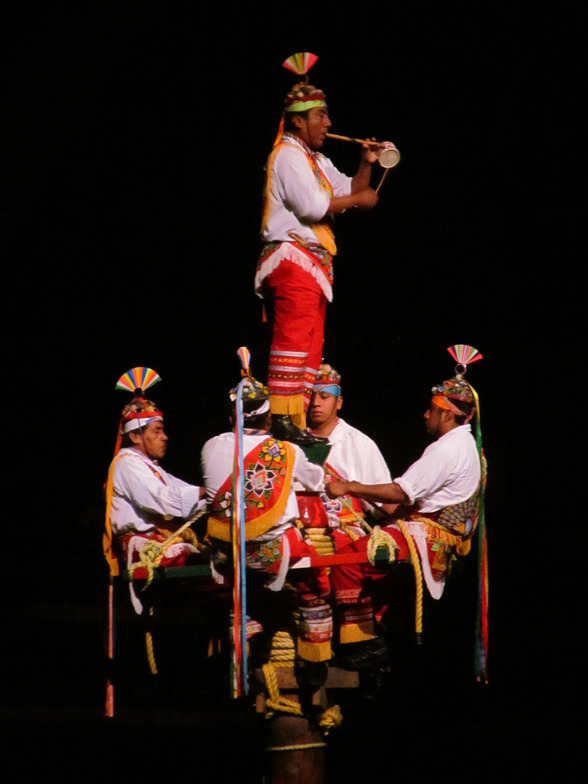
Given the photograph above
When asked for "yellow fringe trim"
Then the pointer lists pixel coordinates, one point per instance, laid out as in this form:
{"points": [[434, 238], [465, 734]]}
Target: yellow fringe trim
{"points": [[287, 405], [357, 632], [314, 651]]}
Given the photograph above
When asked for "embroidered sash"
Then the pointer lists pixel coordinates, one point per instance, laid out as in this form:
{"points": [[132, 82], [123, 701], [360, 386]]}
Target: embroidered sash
{"points": [[267, 478], [449, 531]]}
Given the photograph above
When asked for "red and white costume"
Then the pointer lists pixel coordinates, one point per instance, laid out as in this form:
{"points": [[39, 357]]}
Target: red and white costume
{"points": [[273, 540], [295, 269], [144, 499]]}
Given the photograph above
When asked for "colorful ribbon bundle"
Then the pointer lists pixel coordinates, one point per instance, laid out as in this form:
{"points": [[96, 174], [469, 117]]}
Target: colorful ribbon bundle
{"points": [[240, 683]]}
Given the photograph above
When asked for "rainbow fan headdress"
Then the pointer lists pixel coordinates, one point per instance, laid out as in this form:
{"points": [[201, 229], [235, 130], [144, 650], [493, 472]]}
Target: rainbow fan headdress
{"points": [[140, 411], [138, 380], [464, 356], [300, 63], [302, 96]]}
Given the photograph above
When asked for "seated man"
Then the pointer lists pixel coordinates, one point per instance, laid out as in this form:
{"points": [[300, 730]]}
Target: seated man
{"points": [[149, 512], [273, 539], [351, 455], [437, 498], [145, 503]]}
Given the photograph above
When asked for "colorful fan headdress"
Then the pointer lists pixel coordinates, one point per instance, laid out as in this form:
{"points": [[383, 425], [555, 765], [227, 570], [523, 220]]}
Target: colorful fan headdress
{"points": [[140, 411], [302, 96], [455, 391]]}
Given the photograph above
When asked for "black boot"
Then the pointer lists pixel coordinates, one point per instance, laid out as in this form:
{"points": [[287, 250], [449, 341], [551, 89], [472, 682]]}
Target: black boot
{"points": [[284, 429], [363, 655]]}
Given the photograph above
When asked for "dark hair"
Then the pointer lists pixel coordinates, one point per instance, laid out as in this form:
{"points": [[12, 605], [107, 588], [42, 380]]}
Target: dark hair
{"points": [[464, 406], [125, 439], [258, 422], [289, 118]]}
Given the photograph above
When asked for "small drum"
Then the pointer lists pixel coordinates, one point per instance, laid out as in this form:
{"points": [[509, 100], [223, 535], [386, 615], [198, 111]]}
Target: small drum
{"points": [[312, 511], [389, 156]]}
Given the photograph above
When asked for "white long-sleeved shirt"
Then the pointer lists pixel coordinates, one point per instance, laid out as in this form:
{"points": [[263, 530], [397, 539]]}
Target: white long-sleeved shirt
{"points": [[448, 472], [355, 456], [141, 500], [295, 198], [295, 201]]}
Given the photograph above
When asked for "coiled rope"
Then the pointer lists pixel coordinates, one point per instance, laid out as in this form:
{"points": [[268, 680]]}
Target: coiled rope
{"points": [[283, 654], [321, 539]]}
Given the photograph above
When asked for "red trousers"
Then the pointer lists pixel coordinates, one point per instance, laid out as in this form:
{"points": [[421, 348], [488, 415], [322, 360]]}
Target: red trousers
{"points": [[296, 308], [353, 582]]}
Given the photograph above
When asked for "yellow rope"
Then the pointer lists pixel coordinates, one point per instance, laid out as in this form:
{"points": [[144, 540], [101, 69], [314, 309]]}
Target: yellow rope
{"points": [[283, 650], [331, 717], [152, 552], [150, 653], [275, 701], [149, 646], [297, 747], [322, 541], [418, 575]]}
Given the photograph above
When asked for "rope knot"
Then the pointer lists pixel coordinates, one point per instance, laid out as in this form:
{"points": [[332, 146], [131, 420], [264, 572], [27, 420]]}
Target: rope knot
{"points": [[331, 717], [381, 540]]}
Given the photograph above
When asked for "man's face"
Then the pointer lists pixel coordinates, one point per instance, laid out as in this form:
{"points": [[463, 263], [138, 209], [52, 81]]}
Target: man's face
{"points": [[313, 127], [323, 408], [433, 420], [152, 442]]}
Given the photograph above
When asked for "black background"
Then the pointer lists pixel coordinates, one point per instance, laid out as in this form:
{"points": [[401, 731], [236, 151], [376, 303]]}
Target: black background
{"points": [[135, 136]]}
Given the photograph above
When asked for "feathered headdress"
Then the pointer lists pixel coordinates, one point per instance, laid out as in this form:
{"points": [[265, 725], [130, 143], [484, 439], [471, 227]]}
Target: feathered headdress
{"points": [[253, 395], [302, 96], [140, 411]]}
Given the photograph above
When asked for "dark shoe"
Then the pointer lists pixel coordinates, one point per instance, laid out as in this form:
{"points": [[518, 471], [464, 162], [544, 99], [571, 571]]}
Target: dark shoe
{"points": [[284, 429], [363, 655], [313, 674]]}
